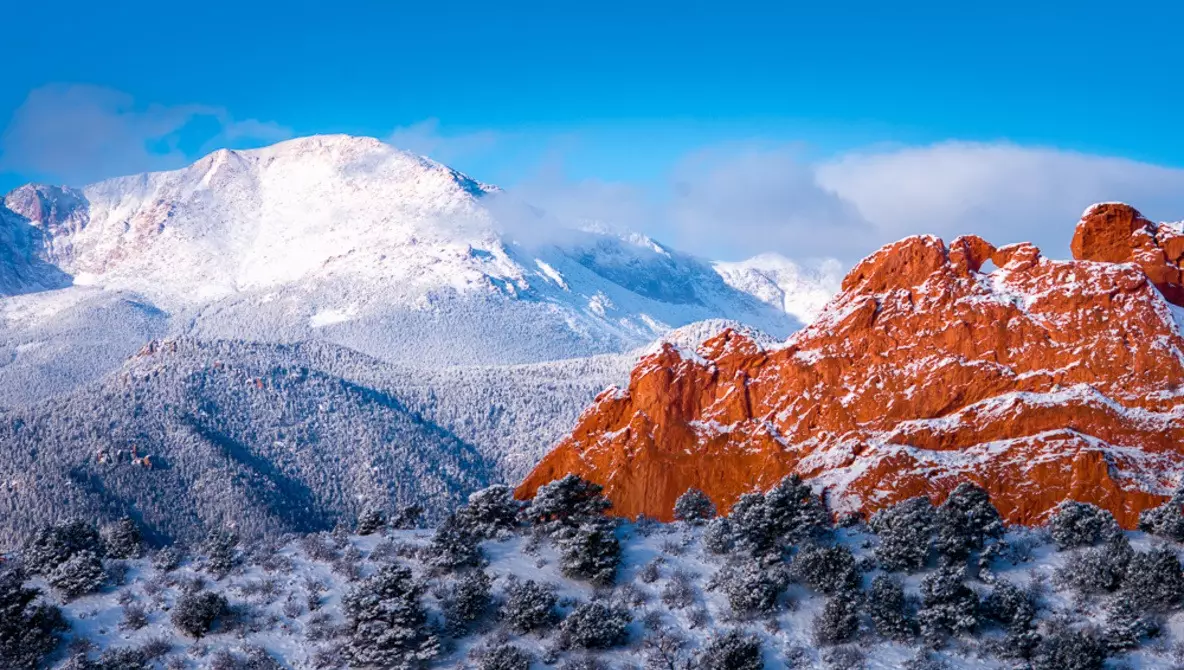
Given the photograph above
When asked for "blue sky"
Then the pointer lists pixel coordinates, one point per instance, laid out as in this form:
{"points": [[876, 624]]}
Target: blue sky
{"points": [[606, 92]]}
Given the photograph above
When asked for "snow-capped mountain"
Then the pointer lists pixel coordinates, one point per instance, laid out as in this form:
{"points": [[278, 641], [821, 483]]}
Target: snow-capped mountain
{"points": [[351, 241]]}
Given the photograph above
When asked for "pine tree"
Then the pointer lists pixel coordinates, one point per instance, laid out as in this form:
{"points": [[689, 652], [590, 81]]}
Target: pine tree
{"points": [[51, 546], [1010, 606], [1126, 625], [718, 536], [386, 624], [948, 606], [221, 552], [694, 507], [592, 552], [750, 588], [505, 657], [530, 606], [468, 600], [370, 521], [1166, 520], [124, 540], [795, 511], [1069, 649], [452, 546], [1074, 524], [732, 650], [838, 621], [888, 609], [81, 574], [904, 531], [29, 628], [491, 512], [826, 569], [565, 504], [595, 625], [196, 613], [1154, 579], [965, 521], [1098, 569]]}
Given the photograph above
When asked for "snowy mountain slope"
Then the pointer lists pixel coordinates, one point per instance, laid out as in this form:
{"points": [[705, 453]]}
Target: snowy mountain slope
{"points": [[351, 241], [801, 290]]}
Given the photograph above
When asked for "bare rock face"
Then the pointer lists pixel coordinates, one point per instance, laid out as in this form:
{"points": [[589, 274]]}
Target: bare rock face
{"points": [[1041, 381]]}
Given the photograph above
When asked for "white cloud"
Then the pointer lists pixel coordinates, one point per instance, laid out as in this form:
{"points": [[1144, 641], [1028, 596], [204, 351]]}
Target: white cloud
{"points": [[424, 138], [79, 133], [1002, 192]]}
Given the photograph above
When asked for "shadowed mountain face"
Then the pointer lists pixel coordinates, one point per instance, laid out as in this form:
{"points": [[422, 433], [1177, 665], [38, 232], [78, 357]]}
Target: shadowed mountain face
{"points": [[1041, 381]]}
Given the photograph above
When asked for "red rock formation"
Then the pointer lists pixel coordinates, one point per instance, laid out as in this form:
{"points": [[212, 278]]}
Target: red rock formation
{"points": [[1041, 381]]}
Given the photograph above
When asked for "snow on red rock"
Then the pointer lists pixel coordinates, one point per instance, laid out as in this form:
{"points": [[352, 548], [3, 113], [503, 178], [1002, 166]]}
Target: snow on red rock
{"points": [[1041, 381]]}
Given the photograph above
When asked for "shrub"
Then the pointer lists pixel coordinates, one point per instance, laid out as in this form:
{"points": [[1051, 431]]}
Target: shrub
{"points": [[888, 609], [965, 521], [733, 650], [1067, 649], [1098, 569], [694, 507], [491, 512], [29, 628], [948, 606], [1074, 524], [595, 626], [592, 552], [79, 575], [530, 606], [386, 624], [904, 531], [751, 589], [196, 613], [826, 569], [838, 621], [1010, 606], [505, 657], [1154, 579]]}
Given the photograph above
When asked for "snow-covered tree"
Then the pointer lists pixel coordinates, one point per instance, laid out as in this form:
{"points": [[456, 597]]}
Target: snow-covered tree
{"points": [[1154, 579], [948, 605], [468, 600], [505, 657], [1126, 625], [750, 588], [530, 606], [1166, 520], [732, 650], [904, 530], [888, 609], [385, 622], [195, 613], [29, 627], [370, 521], [51, 546], [595, 625], [123, 539], [965, 521], [795, 511], [694, 507], [1010, 606], [453, 547], [1075, 524], [591, 552], [565, 504], [718, 536], [491, 512], [80, 574], [838, 621], [1098, 569], [221, 552], [1067, 648], [826, 569]]}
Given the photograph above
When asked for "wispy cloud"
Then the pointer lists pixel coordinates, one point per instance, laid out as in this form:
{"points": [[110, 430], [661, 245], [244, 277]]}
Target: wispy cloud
{"points": [[76, 133], [426, 139]]}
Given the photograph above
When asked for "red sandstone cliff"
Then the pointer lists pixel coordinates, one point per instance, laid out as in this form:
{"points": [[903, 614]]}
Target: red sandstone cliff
{"points": [[1041, 381]]}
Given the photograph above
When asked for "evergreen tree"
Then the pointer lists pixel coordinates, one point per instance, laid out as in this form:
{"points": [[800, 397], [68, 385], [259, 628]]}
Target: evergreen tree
{"points": [[491, 512], [751, 589], [795, 511], [370, 521], [221, 550], [124, 540], [595, 625], [592, 552], [1010, 606], [1166, 520], [694, 507], [1069, 649], [1126, 624], [453, 547], [948, 606], [1154, 579], [196, 613], [81, 574], [904, 531], [838, 621], [732, 650], [1074, 524], [718, 536], [565, 504], [385, 622], [826, 569], [51, 546], [1098, 569], [529, 607], [888, 609], [965, 521], [505, 657], [468, 601], [29, 628]]}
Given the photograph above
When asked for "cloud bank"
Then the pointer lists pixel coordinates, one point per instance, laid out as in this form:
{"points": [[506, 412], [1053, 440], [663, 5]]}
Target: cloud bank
{"points": [[77, 134]]}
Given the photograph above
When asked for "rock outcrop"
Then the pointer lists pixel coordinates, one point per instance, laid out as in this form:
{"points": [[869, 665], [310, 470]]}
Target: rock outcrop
{"points": [[1041, 381]]}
